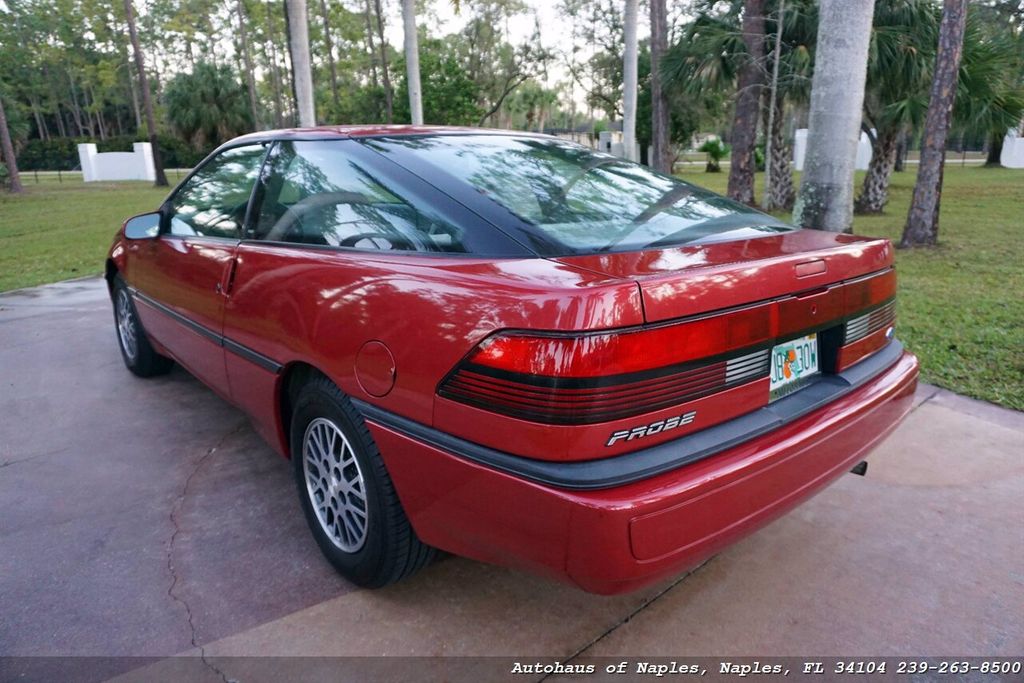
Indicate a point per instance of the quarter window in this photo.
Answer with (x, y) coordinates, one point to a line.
(213, 201)
(316, 193)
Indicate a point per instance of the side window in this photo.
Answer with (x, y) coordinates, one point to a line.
(316, 194)
(213, 201)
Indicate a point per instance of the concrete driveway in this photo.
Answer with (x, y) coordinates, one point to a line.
(141, 519)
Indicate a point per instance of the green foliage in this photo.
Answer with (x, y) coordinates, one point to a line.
(208, 106)
(450, 97)
(716, 150)
(61, 154)
(990, 85)
(5, 175)
(684, 112)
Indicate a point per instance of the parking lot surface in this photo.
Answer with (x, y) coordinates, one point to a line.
(141, 519)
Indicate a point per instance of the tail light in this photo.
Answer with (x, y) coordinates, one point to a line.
(586, 378)
(589, 378)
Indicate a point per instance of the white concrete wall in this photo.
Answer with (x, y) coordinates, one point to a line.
(134, 165)
(800, 149)
(1013, 151)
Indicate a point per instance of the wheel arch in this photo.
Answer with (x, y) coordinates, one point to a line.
(110, 271)
(293, 377)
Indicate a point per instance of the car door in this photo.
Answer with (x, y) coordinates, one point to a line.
(182, 276)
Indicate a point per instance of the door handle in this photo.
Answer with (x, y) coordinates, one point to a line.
(218, 288)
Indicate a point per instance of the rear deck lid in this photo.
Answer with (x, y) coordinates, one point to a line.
(682, 281)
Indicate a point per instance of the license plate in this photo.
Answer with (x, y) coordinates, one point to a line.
(793, 364)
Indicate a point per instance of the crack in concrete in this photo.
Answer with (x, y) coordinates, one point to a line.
(175, 510)
(8, 463)
(614, 627)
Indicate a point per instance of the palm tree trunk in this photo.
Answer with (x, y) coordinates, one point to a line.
(901, 151)
(412, 62)
(874, 193)
(995, 150)
(837, 100)
(748, 102)
(629, 81)
(7, 147)
(329, 46)
(147, 99)
(780, 193)
(250, 77)
(660, 121)
(302, 75)
(922, 228)
(385, 69)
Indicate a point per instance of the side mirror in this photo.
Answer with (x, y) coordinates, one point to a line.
(142, 227)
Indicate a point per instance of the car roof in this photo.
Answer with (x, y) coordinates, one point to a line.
(369, 130)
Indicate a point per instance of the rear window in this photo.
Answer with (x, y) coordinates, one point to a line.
(581, 199)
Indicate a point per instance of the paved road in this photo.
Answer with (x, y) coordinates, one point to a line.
(144, 518)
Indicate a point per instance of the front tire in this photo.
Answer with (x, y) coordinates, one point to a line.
(138, 354)
(346, 493)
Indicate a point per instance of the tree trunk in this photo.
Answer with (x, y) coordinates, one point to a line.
(774, 115)
(660, 122)
(275, 75)
(7, 147)
(995, 150)
(874, 193)
(748, 101)
(922, 228)
(901, 151)
(302, 75)
(837, 100)
(147, 100)
(629, 81)
(250, 77)
(329, 46)
(373, 50)
(385, 69)
(779, 194)
(412, 62)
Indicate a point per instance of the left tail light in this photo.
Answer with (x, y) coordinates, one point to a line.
(588, 378)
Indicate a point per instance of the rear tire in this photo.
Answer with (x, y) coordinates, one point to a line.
(138, 354)
(346, 493)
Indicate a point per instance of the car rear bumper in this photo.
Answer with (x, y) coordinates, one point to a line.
(619, 538)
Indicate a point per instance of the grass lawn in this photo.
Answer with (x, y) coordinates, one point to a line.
(961, 304)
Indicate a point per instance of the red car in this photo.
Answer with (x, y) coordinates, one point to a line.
(513, 348)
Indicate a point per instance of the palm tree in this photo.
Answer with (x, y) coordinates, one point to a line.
(208, 106)
(705, 62)
(412, 62)
(825, 201)
(302, 74)
(922, 228)
(990, 86)
(629, 80)
(896, 92)
(147, 100)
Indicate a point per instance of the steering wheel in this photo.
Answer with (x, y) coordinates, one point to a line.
(393, 240)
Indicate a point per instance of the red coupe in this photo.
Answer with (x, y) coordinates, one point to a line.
(513, 348)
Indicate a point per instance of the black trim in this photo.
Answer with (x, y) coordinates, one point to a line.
(220, 340)
(642, 464)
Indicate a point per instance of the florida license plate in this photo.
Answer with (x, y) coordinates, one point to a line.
(793, 364)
